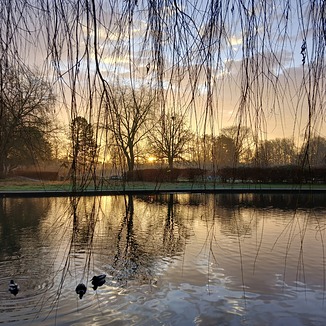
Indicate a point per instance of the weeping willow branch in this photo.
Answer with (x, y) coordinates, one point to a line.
(240, 62)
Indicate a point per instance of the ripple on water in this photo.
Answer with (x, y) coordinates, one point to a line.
(150, 286)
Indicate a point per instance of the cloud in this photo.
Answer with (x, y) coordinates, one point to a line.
(235, 40)
(114, 60)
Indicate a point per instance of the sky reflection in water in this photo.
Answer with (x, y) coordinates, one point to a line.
(170, 259)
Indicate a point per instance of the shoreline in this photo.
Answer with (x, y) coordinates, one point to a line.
(155, 188)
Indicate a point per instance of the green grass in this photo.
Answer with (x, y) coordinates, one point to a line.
(22, 185)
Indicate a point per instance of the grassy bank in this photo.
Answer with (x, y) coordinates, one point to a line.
(31, 185)
(21, 184)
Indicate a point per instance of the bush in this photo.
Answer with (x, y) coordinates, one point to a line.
(275, 174)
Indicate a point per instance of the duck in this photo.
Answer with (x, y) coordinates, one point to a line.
(98, 280)
(13, 287)
(81, 290)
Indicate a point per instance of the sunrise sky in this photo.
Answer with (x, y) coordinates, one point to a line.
(254, 63)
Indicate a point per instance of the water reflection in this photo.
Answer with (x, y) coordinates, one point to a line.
(281, 201)
(17, 216)
(178, 259)
(127, 261)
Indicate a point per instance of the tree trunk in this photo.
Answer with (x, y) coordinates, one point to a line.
(131, 160)
(3, 168)
(170, 162)
(171, 166)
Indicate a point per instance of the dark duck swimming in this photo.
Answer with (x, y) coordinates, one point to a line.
(81, 290)
(13, 287)
(98, 280)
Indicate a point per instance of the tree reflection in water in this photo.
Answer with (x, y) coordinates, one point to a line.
(130, 253)
(23, 213)
(168, 233)
(126, 263)
(139, 248)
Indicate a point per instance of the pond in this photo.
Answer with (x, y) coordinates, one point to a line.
(172, 259)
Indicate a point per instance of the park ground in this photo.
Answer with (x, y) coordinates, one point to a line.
(14, 187)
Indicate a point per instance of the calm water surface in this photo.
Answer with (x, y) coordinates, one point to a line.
(170, 260)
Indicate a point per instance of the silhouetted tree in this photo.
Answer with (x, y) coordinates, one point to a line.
(243, 141)
(128, 112)
(25, 102)
(84, 147)
(224, 151)
(30, 146)
(313, 152)
(279, 151)
(169, 137)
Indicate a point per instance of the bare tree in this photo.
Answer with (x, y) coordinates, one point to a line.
(128, 113)
(169, 138)
(26, 100)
